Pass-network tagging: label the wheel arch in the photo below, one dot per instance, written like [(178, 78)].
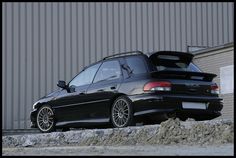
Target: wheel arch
[(52, 126), (114, 98), (40, 104)]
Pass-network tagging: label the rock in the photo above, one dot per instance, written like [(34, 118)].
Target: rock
[(100, 133), (28, 143)]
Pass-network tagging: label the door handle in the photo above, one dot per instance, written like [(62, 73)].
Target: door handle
[(100, 90)]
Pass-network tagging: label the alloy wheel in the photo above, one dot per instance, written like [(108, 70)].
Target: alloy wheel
[(45, 120), (120, 113)]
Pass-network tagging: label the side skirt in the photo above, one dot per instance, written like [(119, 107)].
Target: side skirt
[(79, 123)]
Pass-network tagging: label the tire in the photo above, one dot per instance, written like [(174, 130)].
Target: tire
[(122, 112), (45, 119)]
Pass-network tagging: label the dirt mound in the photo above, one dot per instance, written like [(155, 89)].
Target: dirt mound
[(172, 131), (207, 132)]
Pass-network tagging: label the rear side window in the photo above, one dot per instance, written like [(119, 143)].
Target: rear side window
[(108, 71), (136, 65)]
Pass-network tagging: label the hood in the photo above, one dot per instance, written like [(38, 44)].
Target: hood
[(46, 98), (53, 93)]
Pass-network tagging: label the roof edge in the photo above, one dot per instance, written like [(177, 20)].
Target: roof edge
[(231, 44)]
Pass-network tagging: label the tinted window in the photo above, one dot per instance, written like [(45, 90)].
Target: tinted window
[(193, 67), (136, 65), (108, 71), (173, 62), (178, 66), (85, 77)]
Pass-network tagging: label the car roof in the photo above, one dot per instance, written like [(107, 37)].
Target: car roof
[(115, 57), (137, 53)]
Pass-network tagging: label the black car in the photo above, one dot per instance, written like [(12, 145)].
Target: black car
[(128, 87)]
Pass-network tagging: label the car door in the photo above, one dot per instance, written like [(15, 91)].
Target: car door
[(70, 105), (105, 85)]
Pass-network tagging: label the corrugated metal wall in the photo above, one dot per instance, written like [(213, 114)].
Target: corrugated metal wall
[(45, 42)]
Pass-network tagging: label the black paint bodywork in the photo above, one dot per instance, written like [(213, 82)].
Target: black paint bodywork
[(90, 105)]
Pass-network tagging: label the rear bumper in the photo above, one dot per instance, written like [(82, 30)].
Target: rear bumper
[(146, 104)]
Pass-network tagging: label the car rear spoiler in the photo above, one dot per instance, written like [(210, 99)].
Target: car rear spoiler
[(183, 56), (183, 75)]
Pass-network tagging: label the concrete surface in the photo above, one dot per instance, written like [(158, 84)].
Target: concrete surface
[(172, 150)]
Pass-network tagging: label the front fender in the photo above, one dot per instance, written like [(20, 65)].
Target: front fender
[(41, 102)]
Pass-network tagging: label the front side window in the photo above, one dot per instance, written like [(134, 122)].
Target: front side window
[(108, 71), (85, 77)]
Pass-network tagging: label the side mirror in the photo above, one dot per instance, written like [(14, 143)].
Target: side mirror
[(61, 84)]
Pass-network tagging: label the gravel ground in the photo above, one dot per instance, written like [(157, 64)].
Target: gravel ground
[(171, 137), (172, 150), (170, 132)]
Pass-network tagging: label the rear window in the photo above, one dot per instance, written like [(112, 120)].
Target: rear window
[(176, 65), (136, 65), (173, 61)]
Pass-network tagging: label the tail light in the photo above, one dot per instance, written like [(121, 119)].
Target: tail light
[(157, 86), (215, 89)]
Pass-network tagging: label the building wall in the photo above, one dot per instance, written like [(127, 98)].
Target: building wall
[(211, 61), (45, 42)]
